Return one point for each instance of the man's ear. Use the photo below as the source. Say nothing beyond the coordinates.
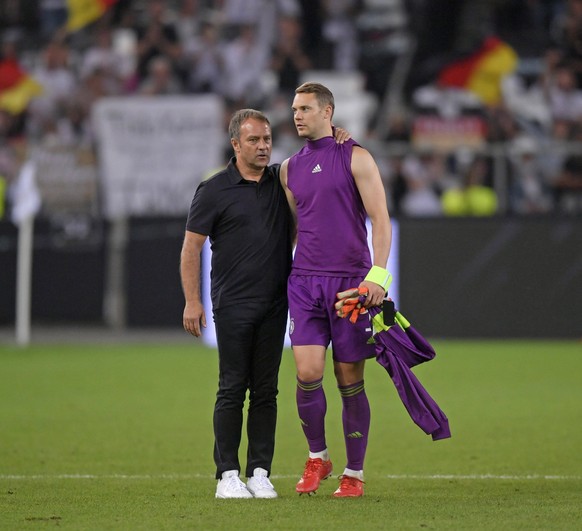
(235, 144)
(329, 112)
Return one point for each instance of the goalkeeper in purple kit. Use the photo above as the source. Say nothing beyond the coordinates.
(332, 188)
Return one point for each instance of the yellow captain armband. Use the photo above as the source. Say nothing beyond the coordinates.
(379, 276)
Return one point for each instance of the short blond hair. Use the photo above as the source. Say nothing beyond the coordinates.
(323, 95)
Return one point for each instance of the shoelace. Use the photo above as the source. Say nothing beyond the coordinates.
(312, 467)
(234, 483)
(347, 482)
(263, 482)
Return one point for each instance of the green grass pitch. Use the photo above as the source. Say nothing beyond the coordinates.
(120, 437)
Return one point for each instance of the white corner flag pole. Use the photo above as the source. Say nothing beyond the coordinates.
(24, 280)
(26, 203)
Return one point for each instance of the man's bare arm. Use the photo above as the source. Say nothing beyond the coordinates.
(194, 316)
(290, 197)
(369, 183)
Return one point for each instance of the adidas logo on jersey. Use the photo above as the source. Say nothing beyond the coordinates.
(317, 169)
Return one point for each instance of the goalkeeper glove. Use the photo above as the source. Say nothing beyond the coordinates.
(351, 302)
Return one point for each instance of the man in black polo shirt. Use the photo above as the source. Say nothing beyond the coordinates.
(244, 211)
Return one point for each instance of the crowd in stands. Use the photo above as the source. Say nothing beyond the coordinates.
(253, 53)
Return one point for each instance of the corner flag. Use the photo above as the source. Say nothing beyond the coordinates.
(26, 203)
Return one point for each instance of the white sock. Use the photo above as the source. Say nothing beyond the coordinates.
(359, 474)
(319, 455)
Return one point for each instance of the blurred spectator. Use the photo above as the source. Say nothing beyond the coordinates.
(550, 59)
(98, 84)
(529, 192)
(161, 80)
(8, 166)
(55, 72)
(263, 14)
(424, 176)
(501, 124)
(245, 60)
(567, 187)
(59, 82)
(339, 30)
(157, 37)
(102, 56)
(72, 127)
(75, 127)
(528, 97)
(188, 21)
(12, 127)
(8, 156)
(564, 98)
(240, 12)
(9, 43)
(474, 196)
(568, 36)
(204, 57)
(554, 149)
(53, 17)
(289, 59)
(398, 128)
(526, 101)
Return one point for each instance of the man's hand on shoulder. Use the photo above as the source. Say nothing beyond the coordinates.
(341, 135)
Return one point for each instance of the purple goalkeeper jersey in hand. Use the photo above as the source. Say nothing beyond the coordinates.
(331, 232)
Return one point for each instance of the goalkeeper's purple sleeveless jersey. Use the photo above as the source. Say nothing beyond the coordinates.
(331, 219)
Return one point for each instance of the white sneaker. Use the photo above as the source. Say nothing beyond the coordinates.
(260, 486)
(230, 486)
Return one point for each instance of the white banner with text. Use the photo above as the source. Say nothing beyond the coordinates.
(154, 151)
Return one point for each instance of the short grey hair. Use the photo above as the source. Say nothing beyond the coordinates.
(240, 116)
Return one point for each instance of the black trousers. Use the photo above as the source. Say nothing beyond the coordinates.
(250, 339)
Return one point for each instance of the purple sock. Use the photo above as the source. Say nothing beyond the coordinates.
(312, 406)
(356, 421)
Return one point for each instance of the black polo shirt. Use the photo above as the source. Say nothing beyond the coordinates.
(249, 226)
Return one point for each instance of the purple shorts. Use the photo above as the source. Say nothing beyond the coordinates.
(313, 320)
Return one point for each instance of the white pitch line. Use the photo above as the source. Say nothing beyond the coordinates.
(484, 476)
(525, 477)
(106, 476)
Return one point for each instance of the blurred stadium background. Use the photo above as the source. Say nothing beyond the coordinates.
(113, 112)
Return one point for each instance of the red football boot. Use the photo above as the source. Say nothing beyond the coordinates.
(315, 470)
(349, 487)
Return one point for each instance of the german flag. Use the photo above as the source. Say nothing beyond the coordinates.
(83, 12)
(481, 72)
(17, 88)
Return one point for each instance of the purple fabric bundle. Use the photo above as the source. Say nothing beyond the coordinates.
(399, 350)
